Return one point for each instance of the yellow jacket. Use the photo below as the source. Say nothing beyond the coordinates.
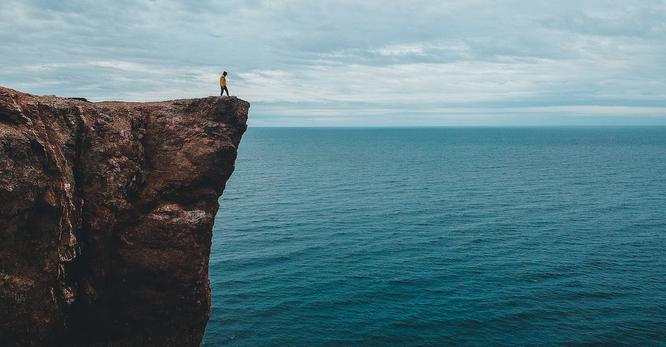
(223, 81)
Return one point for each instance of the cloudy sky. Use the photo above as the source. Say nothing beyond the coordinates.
(353, 63)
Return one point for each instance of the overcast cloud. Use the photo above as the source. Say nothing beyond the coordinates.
(353, 63)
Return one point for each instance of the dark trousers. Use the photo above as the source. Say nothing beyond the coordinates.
(223, 89)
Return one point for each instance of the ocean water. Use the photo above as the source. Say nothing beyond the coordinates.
(447, 236)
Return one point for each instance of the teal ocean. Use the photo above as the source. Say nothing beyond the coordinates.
(445, 236)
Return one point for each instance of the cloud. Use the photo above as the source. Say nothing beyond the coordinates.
(333, 58)
(403, 49)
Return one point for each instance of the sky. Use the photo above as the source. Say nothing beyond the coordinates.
(353, 63)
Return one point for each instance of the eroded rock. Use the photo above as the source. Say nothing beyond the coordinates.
(106, 214)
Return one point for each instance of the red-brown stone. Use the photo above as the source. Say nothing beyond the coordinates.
(106, 215)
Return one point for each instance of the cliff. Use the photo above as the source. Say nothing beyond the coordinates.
(106, 215)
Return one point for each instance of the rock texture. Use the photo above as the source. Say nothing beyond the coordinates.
(106, 215)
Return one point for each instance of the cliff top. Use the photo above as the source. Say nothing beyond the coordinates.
(106, 215)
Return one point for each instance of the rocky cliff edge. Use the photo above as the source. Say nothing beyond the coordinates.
(106, 215)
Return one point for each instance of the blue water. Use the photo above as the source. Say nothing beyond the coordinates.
(476, 236)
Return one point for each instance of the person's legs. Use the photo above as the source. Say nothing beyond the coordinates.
(227, 90)
(222, 91)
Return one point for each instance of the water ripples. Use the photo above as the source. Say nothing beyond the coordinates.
(442, 236)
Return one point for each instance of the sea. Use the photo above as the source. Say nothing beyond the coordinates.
(442, 236)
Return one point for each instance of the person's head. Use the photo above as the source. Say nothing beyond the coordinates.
(224, 73)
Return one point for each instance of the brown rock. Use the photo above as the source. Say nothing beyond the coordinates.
(106, 215)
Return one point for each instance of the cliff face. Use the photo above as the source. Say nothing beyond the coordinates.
(106, 215)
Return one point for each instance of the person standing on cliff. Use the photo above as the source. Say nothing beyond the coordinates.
(223, 84)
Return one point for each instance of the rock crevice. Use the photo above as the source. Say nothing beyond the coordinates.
(106, 215)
